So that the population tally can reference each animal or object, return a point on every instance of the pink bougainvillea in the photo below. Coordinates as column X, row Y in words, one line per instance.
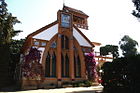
column 31, row 67
column 90, row 65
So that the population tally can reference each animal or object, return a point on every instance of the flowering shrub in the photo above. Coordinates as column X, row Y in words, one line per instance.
column 31, row 67
column 90, row 65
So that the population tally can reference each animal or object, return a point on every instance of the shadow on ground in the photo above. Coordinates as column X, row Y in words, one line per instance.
column 86, row 91
column 8, row 89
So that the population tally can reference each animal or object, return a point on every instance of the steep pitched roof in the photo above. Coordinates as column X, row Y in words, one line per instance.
column 42, row 29
column 48, row 33
column 81, row 38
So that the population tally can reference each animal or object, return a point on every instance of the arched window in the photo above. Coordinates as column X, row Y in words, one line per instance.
column 67, row 65
column 77, row 66
column 64, row 42
column 64, row 56
column 62, row 65
column 47, row 66
column 53, row 65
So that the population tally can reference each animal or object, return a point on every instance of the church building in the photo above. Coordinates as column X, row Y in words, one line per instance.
column 62, row 45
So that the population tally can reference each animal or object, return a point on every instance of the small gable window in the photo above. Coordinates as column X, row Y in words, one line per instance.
column 53, row 45
column 36, row 43
column 43, row 43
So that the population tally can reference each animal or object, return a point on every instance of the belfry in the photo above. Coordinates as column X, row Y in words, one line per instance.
column 62, row 45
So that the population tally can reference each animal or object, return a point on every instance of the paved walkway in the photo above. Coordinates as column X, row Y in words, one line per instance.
column 63, row 90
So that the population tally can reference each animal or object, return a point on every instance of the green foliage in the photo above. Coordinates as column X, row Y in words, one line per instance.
column 128, row 46
column 16, row 45
column 105, row 50
column 7, row 48
column 7, row 22
column 136, row 12
column 85, row 83
column 122, row 75
column 88, row 83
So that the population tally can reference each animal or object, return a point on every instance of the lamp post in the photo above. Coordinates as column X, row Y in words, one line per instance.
column 100, row 72
column 100, row 80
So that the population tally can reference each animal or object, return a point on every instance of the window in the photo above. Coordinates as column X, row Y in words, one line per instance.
column 36, row 43
column 43, row 43
column 54, row 65
column 47, row 66
column 64, row 42
column 50, row 67
column 77, row 66
column 62, row 66
column 65, row 65
column 53, row 45
column 83, row 49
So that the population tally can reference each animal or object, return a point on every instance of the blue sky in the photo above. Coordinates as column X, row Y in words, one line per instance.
column 109, row 20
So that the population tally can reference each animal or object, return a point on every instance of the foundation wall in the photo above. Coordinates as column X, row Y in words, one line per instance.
column 47, row 83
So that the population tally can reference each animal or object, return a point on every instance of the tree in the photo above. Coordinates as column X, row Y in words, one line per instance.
column 128, row 46
column 16, row 45
column 121, row 75
column 15, row 49
column 31, row 67
column 136, row 12
column 7, row 22
column 105, row 50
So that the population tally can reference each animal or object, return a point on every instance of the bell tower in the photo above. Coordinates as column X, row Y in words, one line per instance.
column 65, row 60
column 79, row 17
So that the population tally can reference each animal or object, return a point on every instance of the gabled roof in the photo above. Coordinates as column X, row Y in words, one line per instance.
column 43, row 28
column 66, row 8
column 46, row 32
column 81, row 38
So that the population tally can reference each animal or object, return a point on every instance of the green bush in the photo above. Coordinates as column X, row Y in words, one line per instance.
column 122, row 75
column 86, row 83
